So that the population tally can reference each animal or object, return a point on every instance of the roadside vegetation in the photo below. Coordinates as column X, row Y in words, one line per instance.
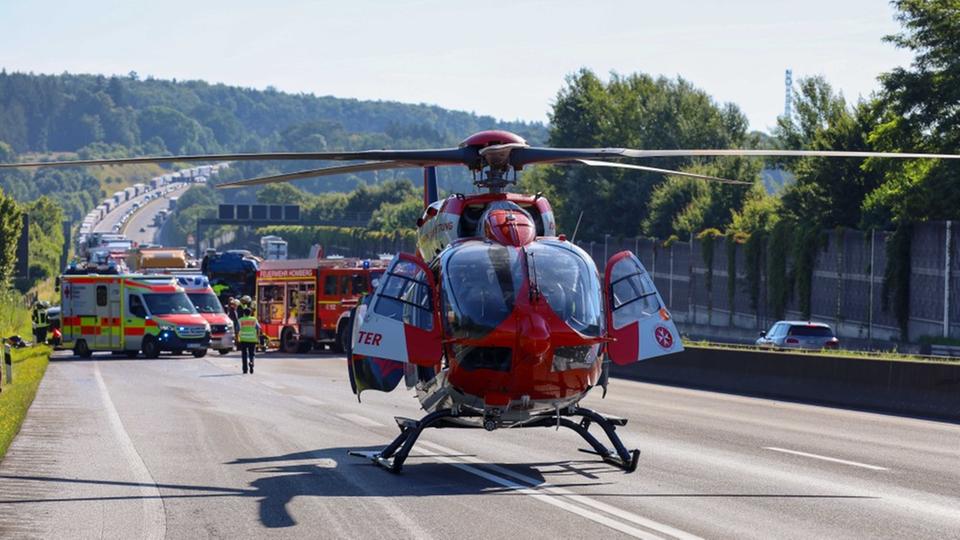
column 29, row 365
column 841, row 353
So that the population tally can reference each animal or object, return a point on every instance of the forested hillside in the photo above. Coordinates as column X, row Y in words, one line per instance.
column 86, row 116
column 65, row 113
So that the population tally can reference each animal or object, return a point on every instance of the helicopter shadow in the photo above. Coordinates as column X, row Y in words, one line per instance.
column 332, row 472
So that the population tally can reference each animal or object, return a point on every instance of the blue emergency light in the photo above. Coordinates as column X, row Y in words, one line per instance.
column 193, row 282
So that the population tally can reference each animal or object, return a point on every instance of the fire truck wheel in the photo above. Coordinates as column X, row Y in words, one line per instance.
column 82, row 350
column 288, row 341
column 225, row 351
column 151, row 349
column 200, row 353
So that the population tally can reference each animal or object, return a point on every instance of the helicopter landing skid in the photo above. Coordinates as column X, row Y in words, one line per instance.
column 392, row 457
column 619, row 456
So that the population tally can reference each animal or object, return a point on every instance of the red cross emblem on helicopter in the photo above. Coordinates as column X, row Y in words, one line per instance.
column 663, row 336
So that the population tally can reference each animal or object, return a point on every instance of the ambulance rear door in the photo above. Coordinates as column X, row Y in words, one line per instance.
column 106, row 335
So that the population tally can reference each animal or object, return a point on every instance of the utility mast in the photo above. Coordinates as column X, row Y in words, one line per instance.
column 788, row 94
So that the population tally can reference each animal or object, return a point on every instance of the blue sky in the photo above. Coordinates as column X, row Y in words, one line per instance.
column 505, row 59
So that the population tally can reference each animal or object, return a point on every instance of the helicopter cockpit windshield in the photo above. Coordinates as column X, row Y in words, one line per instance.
column 567, row 278
column 482, row 280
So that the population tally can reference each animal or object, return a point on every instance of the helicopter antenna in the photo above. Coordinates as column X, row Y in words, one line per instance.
column 577, row 228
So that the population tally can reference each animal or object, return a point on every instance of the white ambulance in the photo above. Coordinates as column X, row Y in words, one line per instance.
column 129, row 314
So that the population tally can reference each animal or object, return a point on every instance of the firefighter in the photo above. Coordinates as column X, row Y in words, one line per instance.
column 248, row 337
column 234, row 314
column 40, row 322
column 219, row 288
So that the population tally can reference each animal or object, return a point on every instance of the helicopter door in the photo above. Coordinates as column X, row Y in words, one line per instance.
column 637, row 318
column 401, row 322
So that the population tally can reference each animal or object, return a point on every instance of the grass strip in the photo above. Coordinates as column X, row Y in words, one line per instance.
column 29, row 365
column 842, row 353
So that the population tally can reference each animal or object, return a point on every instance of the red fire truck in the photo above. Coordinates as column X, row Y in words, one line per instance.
column 305, row 303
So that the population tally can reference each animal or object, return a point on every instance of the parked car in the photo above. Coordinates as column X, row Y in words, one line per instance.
column 798, row 335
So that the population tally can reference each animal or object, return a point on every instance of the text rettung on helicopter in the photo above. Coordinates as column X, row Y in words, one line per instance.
column 498, row 321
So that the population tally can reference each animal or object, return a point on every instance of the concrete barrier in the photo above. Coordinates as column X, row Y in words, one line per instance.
column 900, row 387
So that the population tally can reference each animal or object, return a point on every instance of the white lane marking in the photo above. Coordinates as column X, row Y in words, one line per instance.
column 309, row 400
column 826, row 458
column 357, row 419
column 538, row 490
column 154, row 522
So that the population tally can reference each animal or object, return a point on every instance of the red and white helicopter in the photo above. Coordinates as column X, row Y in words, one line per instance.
column 498, row 320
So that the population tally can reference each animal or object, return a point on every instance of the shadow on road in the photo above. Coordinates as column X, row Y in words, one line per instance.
column 331, row 472
column 115, row 358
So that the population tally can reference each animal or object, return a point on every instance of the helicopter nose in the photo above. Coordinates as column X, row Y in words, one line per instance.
column 534, row 337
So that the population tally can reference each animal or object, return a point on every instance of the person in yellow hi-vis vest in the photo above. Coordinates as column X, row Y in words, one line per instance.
column 248, row 337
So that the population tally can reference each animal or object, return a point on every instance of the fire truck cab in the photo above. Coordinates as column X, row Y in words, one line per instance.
column 201, row 294
column 304, row 303
column 129, row 314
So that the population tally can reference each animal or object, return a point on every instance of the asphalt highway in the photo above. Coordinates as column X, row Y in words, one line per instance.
column 143, row 219
column 144, row 215
column 189, row 448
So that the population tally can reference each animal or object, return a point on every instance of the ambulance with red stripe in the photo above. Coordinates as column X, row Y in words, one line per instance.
column 129, row 314
column 200, row 292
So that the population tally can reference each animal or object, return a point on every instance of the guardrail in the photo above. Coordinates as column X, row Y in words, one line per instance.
column 915, row 388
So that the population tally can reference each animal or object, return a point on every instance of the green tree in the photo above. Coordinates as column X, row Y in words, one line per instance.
column 921, row 113
column 283, row 194
column 828, row 192
column 637, row 111
column 11, row 223
column 178, row 132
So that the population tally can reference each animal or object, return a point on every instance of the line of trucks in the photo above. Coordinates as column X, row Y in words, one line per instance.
column 198, row 174
column 165, row 306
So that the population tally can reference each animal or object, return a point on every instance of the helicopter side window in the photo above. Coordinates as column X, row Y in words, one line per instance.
column 406, row 296
column 633, row 294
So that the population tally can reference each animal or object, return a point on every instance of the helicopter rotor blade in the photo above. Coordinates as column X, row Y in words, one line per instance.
column 444, row 156
column 666, row 172
column 324, row 171
column 530, row 155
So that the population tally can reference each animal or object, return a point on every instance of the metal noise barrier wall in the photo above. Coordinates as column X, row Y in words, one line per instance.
column 847, row 292
column 908, row 388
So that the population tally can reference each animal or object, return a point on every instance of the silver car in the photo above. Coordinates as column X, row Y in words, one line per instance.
column 798, row 335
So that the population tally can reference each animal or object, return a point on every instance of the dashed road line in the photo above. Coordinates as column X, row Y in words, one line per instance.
column 826, row 458
column 309, row 400
column 358, row 419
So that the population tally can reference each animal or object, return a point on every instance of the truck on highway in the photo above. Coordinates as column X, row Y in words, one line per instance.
column 153, row 259
column 172, row 204
column 306, row 303
column 233, row 273
column 129, row 314
column 273, row 248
